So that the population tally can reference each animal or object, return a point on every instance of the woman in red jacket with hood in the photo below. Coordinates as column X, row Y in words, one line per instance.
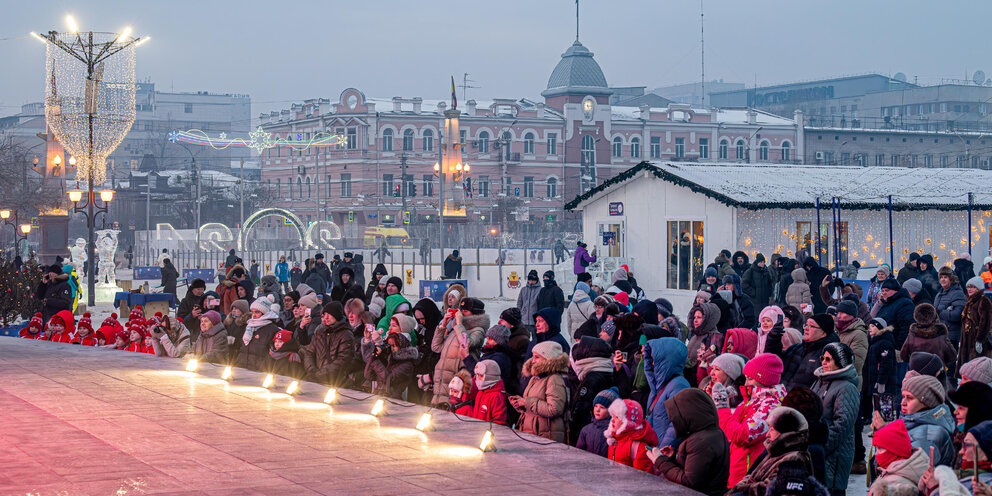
column 630, row 437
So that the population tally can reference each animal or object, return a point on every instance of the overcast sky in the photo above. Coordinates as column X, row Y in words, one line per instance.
column 280, row 52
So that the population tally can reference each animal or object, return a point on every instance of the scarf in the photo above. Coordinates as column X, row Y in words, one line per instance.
column 485, row 383
column 592, row 364
column 886, row 458
column 256, row 324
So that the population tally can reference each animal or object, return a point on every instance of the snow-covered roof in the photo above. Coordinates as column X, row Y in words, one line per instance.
column 762, row 186
column 739, row 116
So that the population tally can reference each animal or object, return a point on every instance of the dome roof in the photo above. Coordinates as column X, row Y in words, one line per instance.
column 577, row 73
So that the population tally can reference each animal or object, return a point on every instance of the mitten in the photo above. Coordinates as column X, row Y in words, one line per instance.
column 719, row 394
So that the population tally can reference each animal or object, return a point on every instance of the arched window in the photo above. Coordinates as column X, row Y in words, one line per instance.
column 724, row 149
column 617, row 146
column 484, row 142
column 635, row 147
column 299, row 188
column 763, row 150
column 552, row 183
column 529, row 143
column 740, row 149
column 387, row 140
column 587, row 169
column 428, row 140
column 786, row 151
column 309, row 192
column 408, row 140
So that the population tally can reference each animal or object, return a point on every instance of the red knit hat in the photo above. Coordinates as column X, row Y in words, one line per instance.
column 284, row 336
column 765, row 368
column 622, row 298
column 36, row 321
column 894, row 438
column 109, row 321
column 136, row 313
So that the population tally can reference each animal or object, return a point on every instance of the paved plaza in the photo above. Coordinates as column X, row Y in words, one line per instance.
column 86, row 421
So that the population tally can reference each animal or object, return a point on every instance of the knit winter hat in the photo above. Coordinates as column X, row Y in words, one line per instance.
column 584, row 277
column 212, row 316
column 710, row 272
column 511, row 316
column 926, row 363
column 499, row 333
column 548, row 349
column 606, row 397
column 765, row 368
column 490, row 372
column 395, row 281
column 978, row 369
column 976, row 282
column 241, row 305
column 885, row 268
column 474, row 305
column 983, row 434
column 772, row 312
column 894, row 438
column 913, row 286
column 841, row 354
column 878, row 322
column 784, row 419
column 825, row 322
column 197, row 283
column 925, row 388
column 631, row 417
column 704, row 295
column 891, row 284
column 456, row 384
column 334, row 309
column 532, row 275
column 265, row 305
column 406, row 322
column 284, row 336
column 308, row 301
column 136, row 313
column 38, row 323
column 622, row 298
column 849, row 307
column 731, row 364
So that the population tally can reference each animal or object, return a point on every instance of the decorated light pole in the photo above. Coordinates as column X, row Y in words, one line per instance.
column 89, row 106
column 21, row 231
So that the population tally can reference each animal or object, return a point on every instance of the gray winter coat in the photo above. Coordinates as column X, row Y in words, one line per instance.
column 933, row 427
column 212, row 345
column 527, row 302
column 950, row 303
column 841, row 401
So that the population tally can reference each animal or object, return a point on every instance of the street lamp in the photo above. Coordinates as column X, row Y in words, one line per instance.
column 90, row 208
column 21, row 231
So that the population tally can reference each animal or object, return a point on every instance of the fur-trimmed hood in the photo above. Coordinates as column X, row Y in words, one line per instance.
column 405, row 354
column 928, row 324
column 558, row 365
column 472, row 321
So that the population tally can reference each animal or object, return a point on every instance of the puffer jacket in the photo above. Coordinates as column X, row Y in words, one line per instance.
column 902, row 476
column 838, row 390
column 164, row 346
column 579, row 310
column 631, row 447
column 706, row 334
column 880, row 367
column 212, row 345
column 746, row 428
column 448, row 344
column 950, row 304
column 933, row 427
column 975, row 322
column 928, row 334
column 333, row 350
column 798, row 292
column 527, row 302
column 802, row 359
column 255, row 355
column 394, row 375
column 664, row 360
column 897, row 311
column 702, row 460
column 545, row 399
column 591, row 437
column 758, row 283
column 855, row 336
column 788, row 447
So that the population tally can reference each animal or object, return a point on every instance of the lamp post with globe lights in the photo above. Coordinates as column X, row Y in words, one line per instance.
column 21, row 231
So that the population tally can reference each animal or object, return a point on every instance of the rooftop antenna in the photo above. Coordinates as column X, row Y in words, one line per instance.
column 702, row 56
column 465, row 86
column 576, row 21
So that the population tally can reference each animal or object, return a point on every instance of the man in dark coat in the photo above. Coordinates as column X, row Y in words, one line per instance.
column 702, row 461
column 740, row 263
column 191, row 306
column 815, row 274
column 332, row 348
column 54, row 292
column 786, row 266
column 964, row 269
column 591, row 359
column 345, row 287
column 910, row 270
column 928, row 274
column 950, row 303
column 321, row 269
column 801, row 360
column 453, row 265
column 895, row 306
column 758, row 283
column 551, row 296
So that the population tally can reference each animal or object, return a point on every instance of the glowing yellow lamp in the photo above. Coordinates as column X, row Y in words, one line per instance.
column 192, row 364
column 293, row 387
column 269, row 379
column 228, row 373
column 379, row 407
column 424, row 423
column 75, row 195
column 487, row 442
column 331, row 397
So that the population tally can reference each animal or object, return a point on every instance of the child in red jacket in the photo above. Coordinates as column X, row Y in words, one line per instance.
column 62, row 326
column 33, row 329
column 461, row 394
column 629, row 436
column 137, row 340
column 84, row 334
column 490, row 401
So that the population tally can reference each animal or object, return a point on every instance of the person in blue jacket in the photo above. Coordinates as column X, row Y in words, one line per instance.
column 664, row 362
column 282, row 274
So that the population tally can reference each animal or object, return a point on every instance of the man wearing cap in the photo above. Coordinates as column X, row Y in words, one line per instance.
column 54, row 292
column 322, row 270
column 910, row 270
column 801, row 360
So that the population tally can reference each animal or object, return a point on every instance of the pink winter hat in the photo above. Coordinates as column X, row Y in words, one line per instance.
column 765, row 368
column 771, row 311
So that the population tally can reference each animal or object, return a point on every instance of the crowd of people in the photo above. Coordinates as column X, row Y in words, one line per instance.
column 765, row 387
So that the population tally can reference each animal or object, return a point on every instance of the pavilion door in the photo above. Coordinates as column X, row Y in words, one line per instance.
column 611, row 238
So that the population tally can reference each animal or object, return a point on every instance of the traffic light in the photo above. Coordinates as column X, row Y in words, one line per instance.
column 396, row 190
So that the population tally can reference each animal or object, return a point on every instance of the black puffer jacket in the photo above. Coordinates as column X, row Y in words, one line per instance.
column 255, row 355
column 333, row 351
column 702, row 461
column 758, row 283
column 801, row 360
